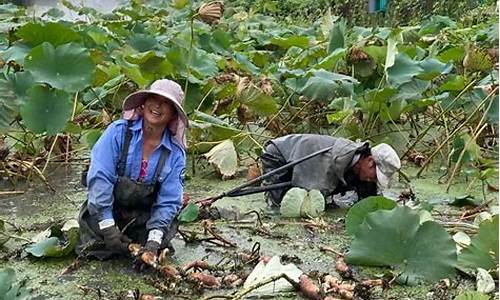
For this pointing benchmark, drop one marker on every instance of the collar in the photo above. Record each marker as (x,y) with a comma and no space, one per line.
(166,140)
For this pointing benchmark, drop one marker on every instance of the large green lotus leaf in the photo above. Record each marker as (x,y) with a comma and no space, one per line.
(472,295)
(435,23)
(245,64)
(224,158)
(483,250)
(375,100)
(259,102)
(9,104)
(189,213)
(433,68)
(61,242)
(292,202)
(56,34)
(67,67)
(330,61)
(290,41)
(432,255)
(395,238)
(337,36)
(377,53)
(403,70)
(21,82)
(16,53)
(393,40)
(143,42)
(454,54)
(454,83)
(413,90)
(46,110)
(9,288)
(325,86)
(313,205)
(203,64)
(357,213)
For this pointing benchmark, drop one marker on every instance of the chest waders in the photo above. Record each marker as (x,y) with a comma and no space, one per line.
(132,202)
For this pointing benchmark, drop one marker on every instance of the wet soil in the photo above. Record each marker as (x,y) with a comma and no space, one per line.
(37,208)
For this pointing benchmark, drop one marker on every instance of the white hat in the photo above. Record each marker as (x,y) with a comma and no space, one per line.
(387,162)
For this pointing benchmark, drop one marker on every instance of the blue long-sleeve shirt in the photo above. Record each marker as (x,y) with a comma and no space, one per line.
(102,174)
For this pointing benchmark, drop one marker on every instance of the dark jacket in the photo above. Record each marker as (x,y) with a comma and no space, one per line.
(326,172)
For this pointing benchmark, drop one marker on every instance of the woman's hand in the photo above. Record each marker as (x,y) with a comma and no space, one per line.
(115,240)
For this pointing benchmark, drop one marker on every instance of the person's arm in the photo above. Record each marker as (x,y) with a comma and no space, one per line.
(102,175)
(168,202)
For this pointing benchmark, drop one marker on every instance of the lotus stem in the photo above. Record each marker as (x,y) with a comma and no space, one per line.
(458,163)
(423,133)
(471,115)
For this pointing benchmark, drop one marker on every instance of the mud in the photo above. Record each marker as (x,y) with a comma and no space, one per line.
(295,238)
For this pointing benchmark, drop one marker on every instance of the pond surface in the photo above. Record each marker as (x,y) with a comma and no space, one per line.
(38,207)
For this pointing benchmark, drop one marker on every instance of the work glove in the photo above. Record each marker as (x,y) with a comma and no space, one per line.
(152,246)
(115,240)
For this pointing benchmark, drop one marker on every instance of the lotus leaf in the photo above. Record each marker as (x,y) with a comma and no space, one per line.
(16,53)
(189,213)
(454,83)
(21,82)
(453,54)
(67,67)
(9,288)
(224,158)
(393,40)
(329,62)
(403,70)
(203,64)
(143,42)
(291,203)
(290,41)
(46,110)
(56,34)
(358,212)
(483,250)
(313,204)
(325,86)
(258,102)
(419,252)
(61,242)
(337,36)
(8,104)
(433,68)
(493,113)
(245,64)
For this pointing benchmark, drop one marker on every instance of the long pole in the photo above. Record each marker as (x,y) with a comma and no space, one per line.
(234,191)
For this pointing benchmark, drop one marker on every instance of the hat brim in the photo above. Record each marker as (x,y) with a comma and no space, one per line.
(382,180)
(138,98)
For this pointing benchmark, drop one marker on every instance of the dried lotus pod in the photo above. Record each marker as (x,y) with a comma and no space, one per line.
(211,12)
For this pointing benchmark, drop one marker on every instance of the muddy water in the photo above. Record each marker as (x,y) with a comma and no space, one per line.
(114,278)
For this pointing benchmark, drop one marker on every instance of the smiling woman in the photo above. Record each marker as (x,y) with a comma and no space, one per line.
(135,177)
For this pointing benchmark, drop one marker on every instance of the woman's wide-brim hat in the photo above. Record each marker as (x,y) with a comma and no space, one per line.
(168,89)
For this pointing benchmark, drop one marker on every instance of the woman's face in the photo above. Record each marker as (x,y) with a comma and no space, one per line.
(158,112)
(366,170)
